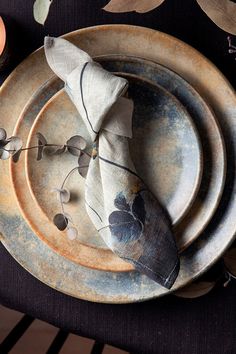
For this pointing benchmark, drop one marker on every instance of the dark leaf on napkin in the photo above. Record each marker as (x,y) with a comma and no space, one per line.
(138,208)
(124,226)
(121,203)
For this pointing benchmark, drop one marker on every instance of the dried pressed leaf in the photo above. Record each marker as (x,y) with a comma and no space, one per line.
(230,261)
(60,221)
(40,152)
(41,10)
(140,6)
(72,233)
(75,144)
(221,12)
(14,144)
(41,142)
(41,138)
(63,195)
(195,289)
(83,162)
(3,134)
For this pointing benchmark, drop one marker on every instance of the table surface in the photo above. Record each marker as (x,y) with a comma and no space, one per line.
(166,325)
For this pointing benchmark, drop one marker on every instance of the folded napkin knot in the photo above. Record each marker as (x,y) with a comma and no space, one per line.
(98,91)
(126,214)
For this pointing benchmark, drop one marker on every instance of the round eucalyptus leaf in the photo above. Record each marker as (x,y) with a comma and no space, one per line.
(60,221)
(83,162)
(63,195)
(41,139)
(40,152)
(16,156)
(4,155)
(14,144)
(76,144)
(72,233)
(3,134)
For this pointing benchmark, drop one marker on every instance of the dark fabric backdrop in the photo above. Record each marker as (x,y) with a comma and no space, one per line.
(167,325)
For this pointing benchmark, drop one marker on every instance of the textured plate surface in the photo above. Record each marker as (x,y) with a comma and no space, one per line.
(213,151)
(214,159)
(165,141)
(93,285)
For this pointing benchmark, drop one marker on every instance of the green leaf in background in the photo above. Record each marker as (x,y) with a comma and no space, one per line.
(140,6)
(221,12)
(41,10)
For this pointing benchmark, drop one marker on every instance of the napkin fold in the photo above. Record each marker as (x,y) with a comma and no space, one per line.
(126,214)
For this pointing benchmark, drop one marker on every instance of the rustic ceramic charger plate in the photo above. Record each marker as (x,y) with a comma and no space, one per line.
(123,287)
(165,140)
(202,208)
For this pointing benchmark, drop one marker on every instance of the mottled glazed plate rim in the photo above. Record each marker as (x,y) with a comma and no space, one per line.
(218,239)
(212,210)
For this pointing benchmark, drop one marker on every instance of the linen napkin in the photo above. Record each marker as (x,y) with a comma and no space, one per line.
(126,214)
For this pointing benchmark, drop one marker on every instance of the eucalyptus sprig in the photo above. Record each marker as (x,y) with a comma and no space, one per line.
(63,221)
(232,47)
(76,145)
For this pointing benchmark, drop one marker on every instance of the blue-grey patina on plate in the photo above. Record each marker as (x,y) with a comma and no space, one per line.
(93,285)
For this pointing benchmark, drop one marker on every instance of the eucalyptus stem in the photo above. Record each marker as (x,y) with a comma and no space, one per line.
(104,227)
(48,145)
(68,175)
(62,186)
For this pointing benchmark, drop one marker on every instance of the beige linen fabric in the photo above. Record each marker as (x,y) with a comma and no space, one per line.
(125,213)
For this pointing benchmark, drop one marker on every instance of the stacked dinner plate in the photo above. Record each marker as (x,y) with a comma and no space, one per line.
(184,147)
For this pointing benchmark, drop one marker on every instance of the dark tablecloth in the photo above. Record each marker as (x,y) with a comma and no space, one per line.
(166,325)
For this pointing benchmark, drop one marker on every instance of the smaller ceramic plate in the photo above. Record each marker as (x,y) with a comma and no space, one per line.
(214,157)
(165,149)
